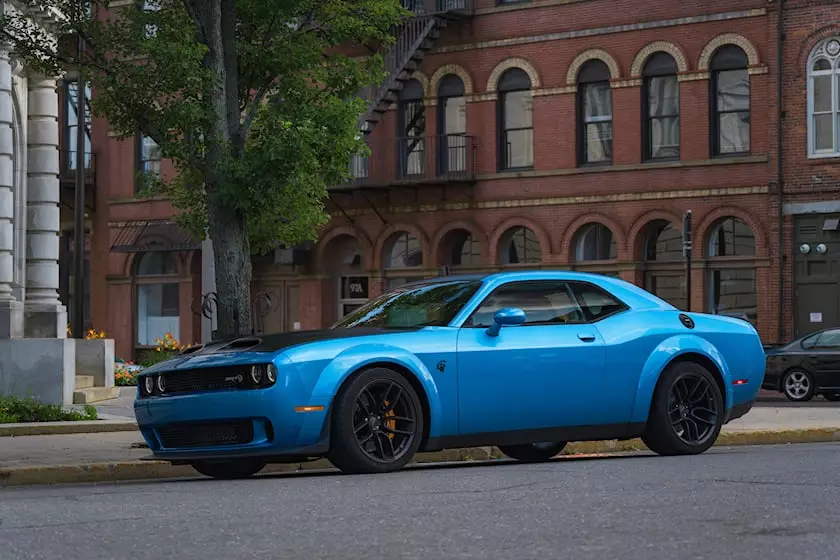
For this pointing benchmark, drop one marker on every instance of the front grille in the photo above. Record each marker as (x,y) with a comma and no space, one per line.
(206,434)
(206,379)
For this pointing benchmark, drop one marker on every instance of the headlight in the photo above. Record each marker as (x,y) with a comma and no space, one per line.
(257,374)
(271,373)
(161,383)
(149,384)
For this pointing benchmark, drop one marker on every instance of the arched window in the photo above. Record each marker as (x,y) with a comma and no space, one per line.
(731,253)
(516,124)
(661,107)
(158,305)
(594,242)
(730,102)
(411,125)
(402,253)
(459,248)
(452,125)
(595,116)
(824,99)
(664,268)
(519,245)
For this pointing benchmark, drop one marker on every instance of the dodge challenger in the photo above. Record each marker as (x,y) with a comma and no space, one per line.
(524,361)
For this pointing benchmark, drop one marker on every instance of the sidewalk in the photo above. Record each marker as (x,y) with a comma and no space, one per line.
(110,457)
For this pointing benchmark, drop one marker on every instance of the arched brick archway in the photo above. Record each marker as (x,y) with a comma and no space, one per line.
(567,241)
(335,233)
(386,235)
(640,229)
(711,220)
(440,242)
(504,227)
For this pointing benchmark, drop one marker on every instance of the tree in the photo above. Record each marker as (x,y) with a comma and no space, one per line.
(254,101)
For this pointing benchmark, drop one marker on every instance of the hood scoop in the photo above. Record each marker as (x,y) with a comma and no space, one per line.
(240,344)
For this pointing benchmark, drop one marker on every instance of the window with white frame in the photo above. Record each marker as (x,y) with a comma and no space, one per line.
(824,99)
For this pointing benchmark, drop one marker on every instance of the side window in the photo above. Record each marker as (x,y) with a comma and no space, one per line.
(828,339)
(544,303)
(596,302)
(811,341)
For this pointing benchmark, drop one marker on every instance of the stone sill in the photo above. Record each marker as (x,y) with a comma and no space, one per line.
(763,158)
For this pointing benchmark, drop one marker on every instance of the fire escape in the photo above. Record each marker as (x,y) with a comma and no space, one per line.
(431,157)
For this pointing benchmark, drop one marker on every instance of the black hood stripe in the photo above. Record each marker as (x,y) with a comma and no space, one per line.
(282,341)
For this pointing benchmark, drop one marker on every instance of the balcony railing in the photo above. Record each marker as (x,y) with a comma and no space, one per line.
(437,7)
(67,179)
(67,162)
(415,160)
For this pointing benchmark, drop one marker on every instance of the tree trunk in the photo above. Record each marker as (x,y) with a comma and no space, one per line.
(227,227)
(232,259)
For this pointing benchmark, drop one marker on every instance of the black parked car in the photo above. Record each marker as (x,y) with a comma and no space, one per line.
(806,367)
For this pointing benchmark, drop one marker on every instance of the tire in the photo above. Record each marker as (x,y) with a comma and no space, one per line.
(799,386)
(365,436)
(533,452)
(229,470)
(675,425)
(833,397)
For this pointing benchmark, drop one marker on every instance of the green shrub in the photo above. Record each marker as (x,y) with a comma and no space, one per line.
(14,410)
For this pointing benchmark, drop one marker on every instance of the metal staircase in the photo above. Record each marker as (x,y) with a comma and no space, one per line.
(414,38)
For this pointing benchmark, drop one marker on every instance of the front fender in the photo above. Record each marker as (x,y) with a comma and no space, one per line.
(358,357)
(667,351)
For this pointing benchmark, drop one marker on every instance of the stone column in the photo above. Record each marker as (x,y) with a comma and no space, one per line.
(45,316)
(11,311)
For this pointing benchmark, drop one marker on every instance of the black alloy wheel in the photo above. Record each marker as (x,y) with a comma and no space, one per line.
(229,470)
(687,411)
(533,452)
(377,423)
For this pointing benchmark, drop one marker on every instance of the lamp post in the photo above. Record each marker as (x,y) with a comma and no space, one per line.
(78,322)
(686,244)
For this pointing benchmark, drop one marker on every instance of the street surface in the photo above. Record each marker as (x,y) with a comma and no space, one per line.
(768,503)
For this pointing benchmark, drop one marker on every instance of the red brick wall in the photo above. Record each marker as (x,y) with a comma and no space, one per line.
(646,191)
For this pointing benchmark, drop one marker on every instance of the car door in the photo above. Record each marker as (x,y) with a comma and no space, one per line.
(544,373)
(824,356)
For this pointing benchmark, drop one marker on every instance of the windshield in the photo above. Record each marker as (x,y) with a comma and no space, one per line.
(423,305)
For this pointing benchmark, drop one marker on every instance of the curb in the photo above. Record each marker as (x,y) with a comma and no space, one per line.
(65,428)
(146,470)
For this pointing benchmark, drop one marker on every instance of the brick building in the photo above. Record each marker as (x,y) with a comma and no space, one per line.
(542,133)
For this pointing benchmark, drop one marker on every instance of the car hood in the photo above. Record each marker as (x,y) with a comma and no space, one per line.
(281,341)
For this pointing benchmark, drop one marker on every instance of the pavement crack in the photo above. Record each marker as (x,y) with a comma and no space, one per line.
(774,483)
(10,528)
(482,490)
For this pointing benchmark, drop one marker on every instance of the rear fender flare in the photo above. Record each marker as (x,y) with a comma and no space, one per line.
(359,357)
(665,353)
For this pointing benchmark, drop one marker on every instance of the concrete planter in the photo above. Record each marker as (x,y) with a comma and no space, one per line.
(43,369)
(95,358)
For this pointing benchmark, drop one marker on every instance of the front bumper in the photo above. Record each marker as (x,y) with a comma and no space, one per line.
(275,429)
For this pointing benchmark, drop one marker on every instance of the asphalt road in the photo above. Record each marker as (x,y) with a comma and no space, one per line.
(774,502)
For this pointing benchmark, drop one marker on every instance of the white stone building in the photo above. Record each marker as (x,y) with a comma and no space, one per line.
(36,357)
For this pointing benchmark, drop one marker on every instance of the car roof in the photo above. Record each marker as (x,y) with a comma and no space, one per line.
(627,292)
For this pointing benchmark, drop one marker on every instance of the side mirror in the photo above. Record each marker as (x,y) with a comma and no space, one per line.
(507,317)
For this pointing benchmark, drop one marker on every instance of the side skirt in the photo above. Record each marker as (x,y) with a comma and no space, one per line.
(524,437)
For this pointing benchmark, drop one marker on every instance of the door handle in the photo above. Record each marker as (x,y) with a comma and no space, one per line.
(586,337)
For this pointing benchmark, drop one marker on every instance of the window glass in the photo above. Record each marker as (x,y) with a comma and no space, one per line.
(829,339)
(544,303)
(596,302)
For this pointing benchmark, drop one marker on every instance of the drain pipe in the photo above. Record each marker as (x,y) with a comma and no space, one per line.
(779,169)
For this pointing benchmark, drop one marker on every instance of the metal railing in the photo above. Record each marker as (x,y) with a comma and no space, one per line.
(67,166)
(416,160)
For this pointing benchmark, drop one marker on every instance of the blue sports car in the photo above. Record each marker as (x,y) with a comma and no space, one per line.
(525,361)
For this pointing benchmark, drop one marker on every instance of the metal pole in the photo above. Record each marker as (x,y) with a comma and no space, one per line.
(687,254)
(78,323)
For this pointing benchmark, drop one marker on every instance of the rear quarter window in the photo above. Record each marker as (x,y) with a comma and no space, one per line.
(596,302)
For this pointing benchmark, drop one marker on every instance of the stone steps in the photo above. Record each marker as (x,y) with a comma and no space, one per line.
(95,394)
(84,382)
